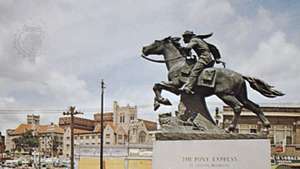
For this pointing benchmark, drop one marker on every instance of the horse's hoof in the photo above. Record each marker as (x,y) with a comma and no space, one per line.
(265,131)
(166,102)
(267,125)
(229,129)
(156,106)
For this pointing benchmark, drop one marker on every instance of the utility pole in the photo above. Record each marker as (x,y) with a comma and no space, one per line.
(72,112)
(101,124)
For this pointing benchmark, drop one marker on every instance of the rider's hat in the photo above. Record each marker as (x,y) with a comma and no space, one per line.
(191,33)
(188,33)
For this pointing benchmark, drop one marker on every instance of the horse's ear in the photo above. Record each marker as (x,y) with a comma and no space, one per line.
(177,39)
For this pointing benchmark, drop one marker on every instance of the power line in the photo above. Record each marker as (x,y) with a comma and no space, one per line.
(61,109)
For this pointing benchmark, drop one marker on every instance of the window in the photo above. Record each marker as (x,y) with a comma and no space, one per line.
(120,137)
(68,138)
(253,130)
(122,118)
(132,117)
(272,140)
(75,137)
(142,137)
(93,137)
(107,142)
(107,136)
(288,140)
(87,137)
(81,137)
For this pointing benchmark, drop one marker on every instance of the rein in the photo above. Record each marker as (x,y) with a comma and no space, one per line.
(159,61)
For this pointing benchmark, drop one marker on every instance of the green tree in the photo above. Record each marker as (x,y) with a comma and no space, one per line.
(27,142)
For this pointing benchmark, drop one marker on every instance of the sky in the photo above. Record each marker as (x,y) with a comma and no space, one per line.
(53,54)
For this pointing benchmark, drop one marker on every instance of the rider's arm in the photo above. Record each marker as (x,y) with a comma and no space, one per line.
(189,47)
(191,44)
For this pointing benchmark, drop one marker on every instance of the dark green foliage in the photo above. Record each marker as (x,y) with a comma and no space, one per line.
(27,142)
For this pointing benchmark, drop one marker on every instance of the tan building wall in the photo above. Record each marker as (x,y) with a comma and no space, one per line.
(2,144)
(46,135)
(285,126)
(123,115)
(67,142)
(139,133)
(47,142)
(9,144)
(33,119)
(112,136)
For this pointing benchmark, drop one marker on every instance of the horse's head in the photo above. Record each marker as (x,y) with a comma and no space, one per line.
(156,48)
(169,47)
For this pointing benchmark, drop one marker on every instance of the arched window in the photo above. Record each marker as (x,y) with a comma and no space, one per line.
(142,137)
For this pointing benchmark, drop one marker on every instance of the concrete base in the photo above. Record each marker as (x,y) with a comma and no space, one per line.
(212,154)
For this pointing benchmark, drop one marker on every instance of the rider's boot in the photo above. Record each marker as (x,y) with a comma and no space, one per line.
(170,83)
(197,69)
(188,86)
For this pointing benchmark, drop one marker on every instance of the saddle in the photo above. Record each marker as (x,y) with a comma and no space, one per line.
(207,77)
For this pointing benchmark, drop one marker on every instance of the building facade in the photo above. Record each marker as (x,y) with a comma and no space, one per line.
(124,115)
(33,119)
(79,123)
(121,127)
(2,146)
(113,135)
(50,137)
(284,133)
(141,132)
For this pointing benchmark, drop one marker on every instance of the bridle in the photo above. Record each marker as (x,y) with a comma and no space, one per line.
(160,61)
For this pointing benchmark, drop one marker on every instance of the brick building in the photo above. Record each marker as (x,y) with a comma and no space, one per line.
(79,123)
(284,133)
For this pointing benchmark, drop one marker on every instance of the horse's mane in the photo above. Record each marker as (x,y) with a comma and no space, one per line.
(176,43)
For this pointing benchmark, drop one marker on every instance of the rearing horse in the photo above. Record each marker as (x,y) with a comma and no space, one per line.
(230,86)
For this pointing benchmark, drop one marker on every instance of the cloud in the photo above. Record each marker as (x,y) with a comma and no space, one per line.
(85,41)
(277,60)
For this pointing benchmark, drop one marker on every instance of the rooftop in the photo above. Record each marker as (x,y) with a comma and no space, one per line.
(268,111)
(41,129)
(150,125)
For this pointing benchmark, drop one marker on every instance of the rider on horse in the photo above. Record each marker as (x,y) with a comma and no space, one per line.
(206,57)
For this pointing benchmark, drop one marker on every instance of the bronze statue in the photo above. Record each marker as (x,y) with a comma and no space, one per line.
(226,84)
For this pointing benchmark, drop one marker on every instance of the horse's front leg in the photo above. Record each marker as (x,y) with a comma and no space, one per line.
(157,88)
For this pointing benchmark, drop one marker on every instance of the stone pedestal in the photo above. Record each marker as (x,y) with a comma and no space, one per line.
(211,151)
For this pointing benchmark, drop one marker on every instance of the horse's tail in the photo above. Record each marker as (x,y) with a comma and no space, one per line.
(262,87)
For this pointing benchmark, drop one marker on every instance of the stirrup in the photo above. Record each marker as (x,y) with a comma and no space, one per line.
(187,90)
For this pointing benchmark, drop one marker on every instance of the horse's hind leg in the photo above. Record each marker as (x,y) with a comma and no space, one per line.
(235,104)
(157,88)
(243,97)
